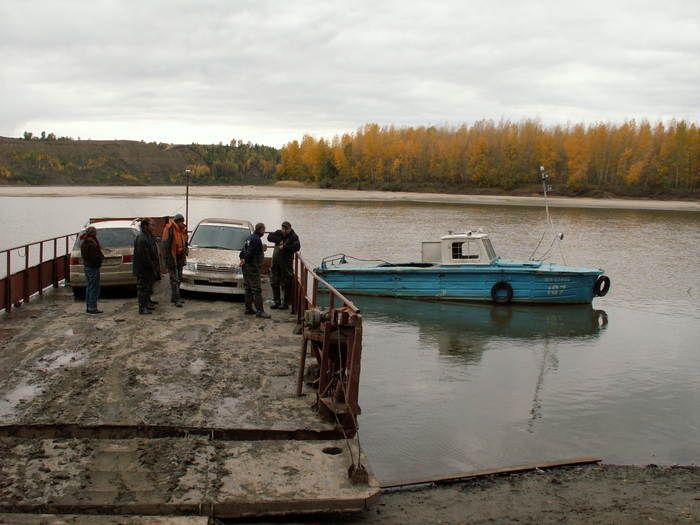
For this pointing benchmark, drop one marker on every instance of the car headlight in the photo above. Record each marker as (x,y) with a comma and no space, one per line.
(191,266)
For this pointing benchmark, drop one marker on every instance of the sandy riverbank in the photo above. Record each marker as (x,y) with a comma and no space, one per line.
(300,192)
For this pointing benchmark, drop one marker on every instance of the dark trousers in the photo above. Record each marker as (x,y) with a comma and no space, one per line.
(144,288)
(252,285)
(175,276)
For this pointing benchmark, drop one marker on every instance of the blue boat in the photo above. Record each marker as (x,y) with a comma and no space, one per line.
(465,267)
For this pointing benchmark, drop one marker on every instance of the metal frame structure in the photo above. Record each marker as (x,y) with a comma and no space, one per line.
(335,339)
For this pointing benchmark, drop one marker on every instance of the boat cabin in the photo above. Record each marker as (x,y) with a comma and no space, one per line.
(459,248)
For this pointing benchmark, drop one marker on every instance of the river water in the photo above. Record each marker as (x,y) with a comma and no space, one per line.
(448,388)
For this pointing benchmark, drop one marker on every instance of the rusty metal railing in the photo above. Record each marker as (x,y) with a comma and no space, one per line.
(49,269)
(334,334)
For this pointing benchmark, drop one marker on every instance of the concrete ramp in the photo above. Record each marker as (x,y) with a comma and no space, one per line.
(180,476)
(186,412)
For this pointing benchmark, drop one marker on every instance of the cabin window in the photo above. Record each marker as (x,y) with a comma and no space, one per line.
(465,250)
(489,249)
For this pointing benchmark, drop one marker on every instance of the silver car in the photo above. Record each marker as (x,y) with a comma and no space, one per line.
(117,242)
(212,261)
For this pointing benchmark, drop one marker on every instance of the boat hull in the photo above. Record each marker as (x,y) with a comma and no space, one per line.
(501,283)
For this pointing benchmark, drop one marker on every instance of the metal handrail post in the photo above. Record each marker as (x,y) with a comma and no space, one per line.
(41,272)
(25,277)
(8,287)
(66,270)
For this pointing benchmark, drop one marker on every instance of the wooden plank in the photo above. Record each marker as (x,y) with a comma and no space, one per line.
(494,472)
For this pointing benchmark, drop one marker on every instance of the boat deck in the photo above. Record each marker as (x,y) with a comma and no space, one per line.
(187,412)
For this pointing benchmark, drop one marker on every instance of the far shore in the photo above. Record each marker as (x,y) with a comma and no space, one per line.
(301,192)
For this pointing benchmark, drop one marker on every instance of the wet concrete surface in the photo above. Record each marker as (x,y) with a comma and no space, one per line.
(201,400)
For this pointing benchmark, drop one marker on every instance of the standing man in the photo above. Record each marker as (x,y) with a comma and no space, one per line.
(92,255)
(252,256)
(146,268)
(282,270)
(175,255)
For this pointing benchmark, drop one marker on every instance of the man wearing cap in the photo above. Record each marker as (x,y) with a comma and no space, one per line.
(175,254)
(282,268)
(92,255)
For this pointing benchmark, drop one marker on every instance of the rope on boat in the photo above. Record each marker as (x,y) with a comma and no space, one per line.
(556,241)
(341,257)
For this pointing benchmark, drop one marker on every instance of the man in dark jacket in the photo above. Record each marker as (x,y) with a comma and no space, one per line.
(146,265)
(282,269)
(92,255)
(252,256)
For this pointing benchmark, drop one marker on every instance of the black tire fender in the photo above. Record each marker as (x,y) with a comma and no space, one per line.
(496,292)
(601,286)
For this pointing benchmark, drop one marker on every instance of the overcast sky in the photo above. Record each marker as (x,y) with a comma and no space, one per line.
(271,71)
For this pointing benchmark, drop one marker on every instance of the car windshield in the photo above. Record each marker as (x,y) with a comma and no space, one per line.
(113,238)
(217,236)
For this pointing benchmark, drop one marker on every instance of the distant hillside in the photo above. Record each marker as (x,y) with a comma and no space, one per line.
(126,162)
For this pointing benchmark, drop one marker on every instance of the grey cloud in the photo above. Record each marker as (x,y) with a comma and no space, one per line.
(282,69)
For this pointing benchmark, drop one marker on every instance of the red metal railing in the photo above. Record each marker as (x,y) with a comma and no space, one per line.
(47,270)
(334,334)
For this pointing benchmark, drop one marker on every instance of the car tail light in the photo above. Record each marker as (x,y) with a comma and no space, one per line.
(76,260)
(127,259)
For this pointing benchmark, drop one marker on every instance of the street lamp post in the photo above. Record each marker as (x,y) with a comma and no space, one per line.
(187,197)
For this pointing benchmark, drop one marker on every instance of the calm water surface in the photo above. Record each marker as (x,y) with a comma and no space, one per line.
(448,388)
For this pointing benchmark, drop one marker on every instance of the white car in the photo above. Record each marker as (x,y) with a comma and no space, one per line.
(213,258)
(117,241)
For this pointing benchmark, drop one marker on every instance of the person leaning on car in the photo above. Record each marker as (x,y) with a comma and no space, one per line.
(92,255)
(146,265)
(175,254)
(282,268)
(252,256)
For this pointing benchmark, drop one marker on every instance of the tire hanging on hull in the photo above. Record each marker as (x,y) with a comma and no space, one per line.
(601,286)
(502,292)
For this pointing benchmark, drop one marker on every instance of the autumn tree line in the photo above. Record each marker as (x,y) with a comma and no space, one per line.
(632,158)
(235,163)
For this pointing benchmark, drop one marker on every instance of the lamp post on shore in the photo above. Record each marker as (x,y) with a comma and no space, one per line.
(187,197)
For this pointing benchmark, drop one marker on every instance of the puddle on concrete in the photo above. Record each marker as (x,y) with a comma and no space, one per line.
(196,333)
(22,392)
(78,329)
(60,359)
(197,366)
(173,395)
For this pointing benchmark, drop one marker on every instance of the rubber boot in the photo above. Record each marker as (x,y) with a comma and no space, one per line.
(287,297)
(276,297)
(143,304)
(248,301)
(259,307)
(175,295)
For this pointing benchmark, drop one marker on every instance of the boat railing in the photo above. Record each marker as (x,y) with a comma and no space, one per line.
(333,332)
(43,264)
(332,260)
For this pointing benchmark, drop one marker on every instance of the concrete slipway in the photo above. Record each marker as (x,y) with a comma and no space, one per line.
(187,412)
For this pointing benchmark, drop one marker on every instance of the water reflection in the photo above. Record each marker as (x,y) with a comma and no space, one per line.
(465,330)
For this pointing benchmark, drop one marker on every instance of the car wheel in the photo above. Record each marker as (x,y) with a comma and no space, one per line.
(78,293)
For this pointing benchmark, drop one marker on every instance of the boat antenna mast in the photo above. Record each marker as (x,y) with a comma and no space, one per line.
(550,227)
